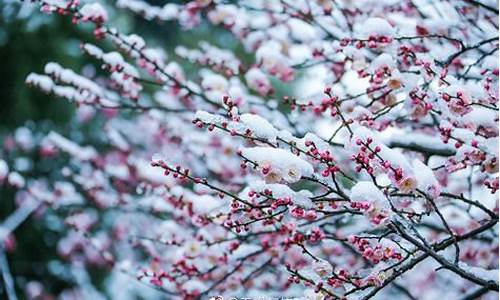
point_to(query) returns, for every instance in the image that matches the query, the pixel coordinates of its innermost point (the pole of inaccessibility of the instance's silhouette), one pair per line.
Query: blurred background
(29, 40)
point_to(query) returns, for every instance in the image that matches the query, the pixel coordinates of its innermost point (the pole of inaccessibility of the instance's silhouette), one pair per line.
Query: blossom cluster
(374, 175)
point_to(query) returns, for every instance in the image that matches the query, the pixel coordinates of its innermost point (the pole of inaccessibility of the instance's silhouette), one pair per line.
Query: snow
(421, 139)
(94, 12)
(141, 7)
(366, 191)
(215, 86)
(323, 268)
(394, 156)
(204, 204)
(193, 285)
(117, 139)
(43, 82)
(360, 112)
(480, 116)
(301, 30)
(300, 53)
(147, 172)
(258, 81)
(223, 14)
(382, 61)
(377, 27)
(284, 165)
(300, 198)
(269, 54)
(24, 137)
(169, 11)
(134, 40)
(490, 63)
(72, 148)
(115, 60)
(67, 92)
(211, 56)
(260, 127)
(426, 180)
(118, 171)
(489, 275)
(16, 179)
(67, 194)
(70, 77)
(4, 169)
(57, 3)
(158, 56)
(207, 117)
(311, 294)
(243, 251)
(93, 50)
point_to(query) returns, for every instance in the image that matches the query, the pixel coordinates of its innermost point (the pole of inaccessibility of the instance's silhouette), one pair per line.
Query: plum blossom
(310, 149)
